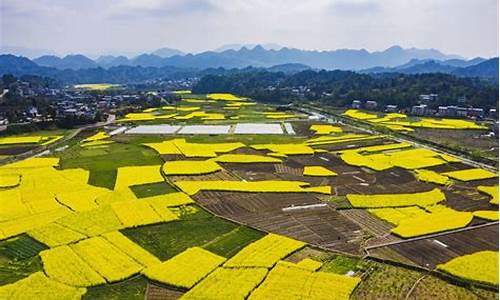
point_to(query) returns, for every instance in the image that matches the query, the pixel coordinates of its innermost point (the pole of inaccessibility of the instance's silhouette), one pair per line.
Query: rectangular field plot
(154, 129)
(258, 128)
(205, 129)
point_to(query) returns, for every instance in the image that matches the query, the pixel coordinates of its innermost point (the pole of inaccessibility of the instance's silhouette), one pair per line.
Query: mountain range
(477, 67)
(79, 68)
(258, 56)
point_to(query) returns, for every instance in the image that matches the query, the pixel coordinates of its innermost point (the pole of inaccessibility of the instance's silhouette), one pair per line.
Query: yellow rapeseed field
(168, 200)
(265, 252)
(20, 140)
(106, 259)
(245, 158)
(185, 269)
(39, 286)
(285, 149)
(431, 176)
(225, 97)
(97, 86)
(137, 213)
(491, 215)
(101, 135)
(470, 174)
(42, 140)
(93, 222)
(479, 266)
(318, 171)
(180, 146)
(265, 186)
(135, 175)
(325, 129)
(227, 283)
(356, 114)
(286, 281)
(407, 159)
(348, 137)
(181, 92)
(82, 200)
(403, 124)
(433, 223)
(190, 167)
(282, 116)
(309, 264)
(395, 215)
(54, 234)
(64, 265)
(130, 248)
(389, 121)
(421, 199)
(9, 180)
(490, 190)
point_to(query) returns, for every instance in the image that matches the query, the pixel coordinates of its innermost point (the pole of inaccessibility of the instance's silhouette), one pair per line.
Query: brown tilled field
(429, 252)
(321, 225)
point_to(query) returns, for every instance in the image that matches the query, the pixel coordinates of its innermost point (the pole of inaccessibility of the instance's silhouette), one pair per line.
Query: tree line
(340, 88)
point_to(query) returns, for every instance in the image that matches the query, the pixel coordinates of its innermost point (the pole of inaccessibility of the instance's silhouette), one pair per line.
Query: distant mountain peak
(395, 48)
(258, 48)
(167, 52)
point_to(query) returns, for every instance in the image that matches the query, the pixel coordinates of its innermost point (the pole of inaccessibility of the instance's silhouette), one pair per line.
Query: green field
(200, 229)
(103, 162)
(18, 258)
(129, 289)
(152, 189)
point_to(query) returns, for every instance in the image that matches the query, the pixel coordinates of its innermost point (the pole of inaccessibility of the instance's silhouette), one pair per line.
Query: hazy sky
(465, 27)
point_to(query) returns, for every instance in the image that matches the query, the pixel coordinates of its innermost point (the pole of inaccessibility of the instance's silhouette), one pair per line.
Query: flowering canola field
(185, 269)
(266, 186)
(265, 252)
(490, 190)
(400, 122)
(325, 129)
(422, 199)
(290, 281)
(480, 266)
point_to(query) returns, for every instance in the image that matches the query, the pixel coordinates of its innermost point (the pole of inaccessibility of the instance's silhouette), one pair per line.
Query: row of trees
(340, 88)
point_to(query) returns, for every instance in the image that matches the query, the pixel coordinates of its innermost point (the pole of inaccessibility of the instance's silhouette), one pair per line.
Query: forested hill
(341, 87)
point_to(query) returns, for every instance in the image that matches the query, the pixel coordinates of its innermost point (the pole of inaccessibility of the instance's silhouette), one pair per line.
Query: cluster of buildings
(453, 111)
(369, 104)
(424, 108)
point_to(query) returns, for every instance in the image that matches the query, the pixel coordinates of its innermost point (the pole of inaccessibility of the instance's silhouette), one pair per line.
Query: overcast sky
(465, 27)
